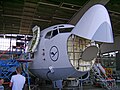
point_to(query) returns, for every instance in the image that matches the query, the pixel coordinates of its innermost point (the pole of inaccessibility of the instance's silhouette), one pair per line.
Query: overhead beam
(27, 17)
(36, 19)
(82, 10)
(118, 13)
(62, 6)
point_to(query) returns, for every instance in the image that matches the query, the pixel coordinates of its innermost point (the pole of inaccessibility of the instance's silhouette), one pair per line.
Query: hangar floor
(85, 87)
(75, 88)
(48, 86)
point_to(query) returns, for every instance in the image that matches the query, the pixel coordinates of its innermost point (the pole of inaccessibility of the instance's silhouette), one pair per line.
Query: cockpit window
(51, 34)
(55, 32)
(48, 35)
(64, 30)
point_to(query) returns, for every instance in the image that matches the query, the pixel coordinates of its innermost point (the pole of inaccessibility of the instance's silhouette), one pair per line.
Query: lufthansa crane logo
(54, 53)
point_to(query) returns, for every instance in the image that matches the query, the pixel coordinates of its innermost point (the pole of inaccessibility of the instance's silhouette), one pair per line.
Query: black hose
(47, 75)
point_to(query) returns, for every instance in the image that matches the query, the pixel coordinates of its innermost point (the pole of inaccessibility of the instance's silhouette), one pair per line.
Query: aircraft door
(35, 40)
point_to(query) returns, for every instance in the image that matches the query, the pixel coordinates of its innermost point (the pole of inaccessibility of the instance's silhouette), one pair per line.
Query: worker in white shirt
(17, 81)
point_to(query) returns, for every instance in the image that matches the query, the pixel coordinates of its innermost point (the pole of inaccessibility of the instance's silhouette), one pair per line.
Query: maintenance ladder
(104, 81)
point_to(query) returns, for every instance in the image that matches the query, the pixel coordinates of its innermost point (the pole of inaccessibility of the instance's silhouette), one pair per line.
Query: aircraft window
(55, 32)
(48, 35)
(61, 26)
(64, 30)
(55, 27)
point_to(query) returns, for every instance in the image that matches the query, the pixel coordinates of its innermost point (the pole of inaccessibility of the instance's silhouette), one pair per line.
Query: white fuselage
(52, 52)
(59, 48)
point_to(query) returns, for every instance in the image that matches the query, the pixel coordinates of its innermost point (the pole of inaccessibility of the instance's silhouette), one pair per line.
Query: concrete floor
(77, 88)
(85, 87)
(49, 87)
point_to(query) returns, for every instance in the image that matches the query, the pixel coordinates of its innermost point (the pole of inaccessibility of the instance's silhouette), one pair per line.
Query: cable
(47, 75)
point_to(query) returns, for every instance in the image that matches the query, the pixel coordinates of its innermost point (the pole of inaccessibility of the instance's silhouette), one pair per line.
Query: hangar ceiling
(19, 16)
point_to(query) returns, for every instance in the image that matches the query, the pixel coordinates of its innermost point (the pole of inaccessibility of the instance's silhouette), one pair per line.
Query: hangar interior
(18, 17)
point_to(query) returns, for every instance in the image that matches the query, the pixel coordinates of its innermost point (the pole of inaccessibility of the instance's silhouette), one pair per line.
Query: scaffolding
(101, 78)
(16, 56)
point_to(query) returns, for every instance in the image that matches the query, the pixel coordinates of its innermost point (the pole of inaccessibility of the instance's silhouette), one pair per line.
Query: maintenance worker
(17, 81)
(1, 84)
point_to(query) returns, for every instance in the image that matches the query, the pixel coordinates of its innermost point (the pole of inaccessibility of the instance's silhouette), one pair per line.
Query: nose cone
(95, 25)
